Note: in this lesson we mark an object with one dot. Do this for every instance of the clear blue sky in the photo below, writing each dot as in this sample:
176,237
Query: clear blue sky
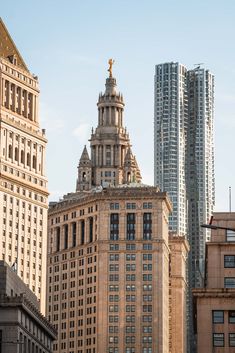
68,43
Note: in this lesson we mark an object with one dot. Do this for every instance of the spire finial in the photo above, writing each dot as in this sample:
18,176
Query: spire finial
111,62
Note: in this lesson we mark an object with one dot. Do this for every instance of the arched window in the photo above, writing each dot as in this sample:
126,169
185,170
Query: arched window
28,159
10,151
16,154
22,156
34,162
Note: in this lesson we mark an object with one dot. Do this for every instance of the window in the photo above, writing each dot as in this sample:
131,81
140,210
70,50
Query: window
114,247
130,246
231,316
114,206
218,339
130,226
74,231
147,205
130,206
90,229
113,257
66,236
114,226
147,226
230,235
130,257
82,223
229,282
218,316
58,239
229,261
231,339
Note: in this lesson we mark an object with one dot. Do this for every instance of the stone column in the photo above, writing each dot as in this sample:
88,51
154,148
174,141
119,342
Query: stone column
3,92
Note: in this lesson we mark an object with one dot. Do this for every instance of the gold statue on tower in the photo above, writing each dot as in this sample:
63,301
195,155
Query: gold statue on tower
111,62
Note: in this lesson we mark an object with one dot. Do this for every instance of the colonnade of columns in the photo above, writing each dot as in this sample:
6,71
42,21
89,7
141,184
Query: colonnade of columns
19,100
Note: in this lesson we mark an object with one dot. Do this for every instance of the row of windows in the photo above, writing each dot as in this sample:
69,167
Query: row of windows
130,226
115,247
218,316
219,339
130,205
128,350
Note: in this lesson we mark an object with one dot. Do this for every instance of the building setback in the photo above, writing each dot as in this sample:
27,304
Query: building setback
110,251
23,185
215,303
22,327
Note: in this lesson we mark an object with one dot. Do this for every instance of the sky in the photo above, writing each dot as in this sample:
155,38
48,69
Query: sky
67,44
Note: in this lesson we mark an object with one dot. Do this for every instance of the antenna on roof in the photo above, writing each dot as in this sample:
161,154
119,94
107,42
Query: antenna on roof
230,198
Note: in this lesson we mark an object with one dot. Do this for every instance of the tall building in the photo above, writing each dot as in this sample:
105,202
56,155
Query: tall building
110,253
184,152
214,303
22,327
23,184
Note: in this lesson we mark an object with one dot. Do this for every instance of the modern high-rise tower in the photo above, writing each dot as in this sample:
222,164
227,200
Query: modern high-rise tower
184,152
23,184
184,159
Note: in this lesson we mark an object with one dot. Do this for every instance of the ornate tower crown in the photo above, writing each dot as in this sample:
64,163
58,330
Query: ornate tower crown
110,143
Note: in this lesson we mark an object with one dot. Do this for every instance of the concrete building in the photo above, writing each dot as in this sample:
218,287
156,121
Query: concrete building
184,153
215,303
23,185
110,252
23,329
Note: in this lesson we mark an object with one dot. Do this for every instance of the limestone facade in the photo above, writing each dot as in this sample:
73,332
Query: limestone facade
23,184
109,251
215,303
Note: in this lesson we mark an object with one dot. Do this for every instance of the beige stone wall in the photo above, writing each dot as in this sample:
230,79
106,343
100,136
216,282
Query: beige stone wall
113,258
23,184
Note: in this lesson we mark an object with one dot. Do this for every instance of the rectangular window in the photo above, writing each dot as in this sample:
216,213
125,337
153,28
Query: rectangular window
229,261
66,236
231,339
130,246
114,206
74,232
218,339
82,232
130,226
130,206
147,226
57,238
218,316
230,235
231,316
229,282
114,247
90,229
114,226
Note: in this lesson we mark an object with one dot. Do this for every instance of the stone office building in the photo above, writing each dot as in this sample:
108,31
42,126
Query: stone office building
215,303
23,184
110,251
23,329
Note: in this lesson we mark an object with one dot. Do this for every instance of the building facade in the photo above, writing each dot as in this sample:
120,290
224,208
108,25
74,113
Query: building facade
22,327
109,252
215,303
23,184
184,153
